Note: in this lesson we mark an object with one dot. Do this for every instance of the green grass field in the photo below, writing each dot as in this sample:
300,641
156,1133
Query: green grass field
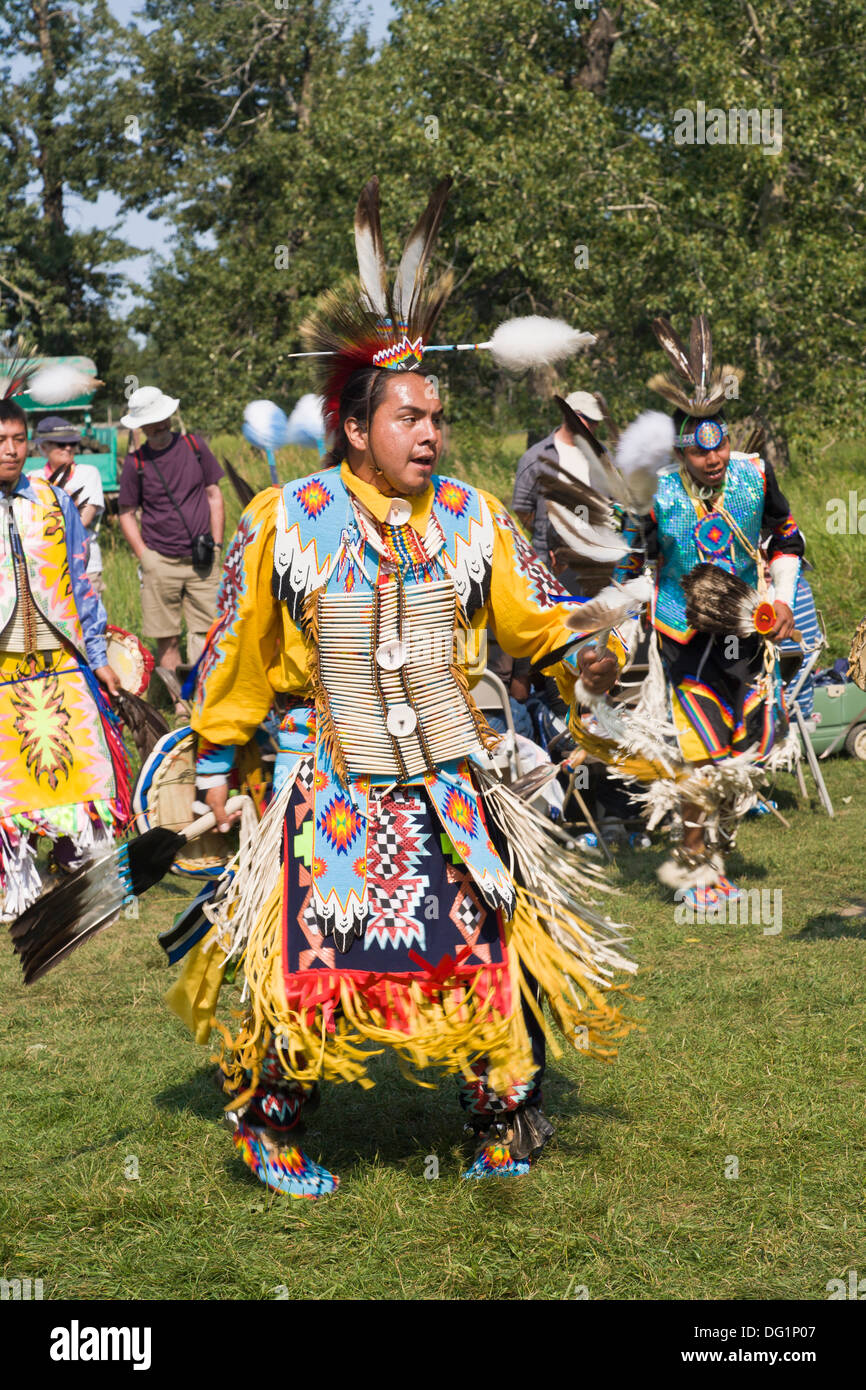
120,1182
721,1156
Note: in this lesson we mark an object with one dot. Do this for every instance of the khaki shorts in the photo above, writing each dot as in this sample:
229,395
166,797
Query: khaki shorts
171,587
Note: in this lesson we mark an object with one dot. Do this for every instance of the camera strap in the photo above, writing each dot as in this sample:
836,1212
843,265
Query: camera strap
139,464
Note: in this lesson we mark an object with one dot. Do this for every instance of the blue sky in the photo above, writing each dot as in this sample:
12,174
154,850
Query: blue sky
152,235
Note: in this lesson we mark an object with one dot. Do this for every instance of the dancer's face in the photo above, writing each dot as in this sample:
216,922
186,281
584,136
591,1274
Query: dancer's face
708,467
13,452
405,437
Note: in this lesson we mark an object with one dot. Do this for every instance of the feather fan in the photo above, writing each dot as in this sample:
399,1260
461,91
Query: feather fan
599,543
557,484
720,602
93,898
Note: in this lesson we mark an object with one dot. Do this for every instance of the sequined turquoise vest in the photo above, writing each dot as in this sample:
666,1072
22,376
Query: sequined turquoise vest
689,537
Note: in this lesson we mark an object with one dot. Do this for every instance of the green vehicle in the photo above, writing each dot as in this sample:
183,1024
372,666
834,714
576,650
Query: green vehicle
839,719
99,441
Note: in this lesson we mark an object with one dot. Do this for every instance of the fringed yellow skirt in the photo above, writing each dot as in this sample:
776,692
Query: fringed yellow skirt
437,975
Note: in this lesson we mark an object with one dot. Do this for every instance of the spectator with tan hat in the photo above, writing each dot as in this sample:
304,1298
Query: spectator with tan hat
172,480
528,502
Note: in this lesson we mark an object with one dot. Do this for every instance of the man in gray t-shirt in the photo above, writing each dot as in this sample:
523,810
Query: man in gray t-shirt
528,502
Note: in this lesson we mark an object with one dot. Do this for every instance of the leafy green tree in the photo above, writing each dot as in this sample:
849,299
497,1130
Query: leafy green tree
56,281
212,127
577,189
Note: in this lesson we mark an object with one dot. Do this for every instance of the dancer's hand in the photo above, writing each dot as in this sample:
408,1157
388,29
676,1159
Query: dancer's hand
784,623
216,798
599,669
109,678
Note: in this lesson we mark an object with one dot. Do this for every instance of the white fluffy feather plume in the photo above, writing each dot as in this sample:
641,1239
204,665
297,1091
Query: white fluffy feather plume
535,341
54,385
645,447
307,423
265,425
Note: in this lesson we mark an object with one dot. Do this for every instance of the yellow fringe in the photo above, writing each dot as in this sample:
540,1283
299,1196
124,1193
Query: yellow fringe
609,752
448,1030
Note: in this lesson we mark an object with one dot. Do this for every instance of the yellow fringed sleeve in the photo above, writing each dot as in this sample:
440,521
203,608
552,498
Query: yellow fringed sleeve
260,650
523,627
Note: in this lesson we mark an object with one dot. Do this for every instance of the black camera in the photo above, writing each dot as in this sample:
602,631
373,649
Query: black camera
203,548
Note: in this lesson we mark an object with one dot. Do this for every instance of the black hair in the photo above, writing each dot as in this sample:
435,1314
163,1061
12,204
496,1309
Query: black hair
360,398
11,410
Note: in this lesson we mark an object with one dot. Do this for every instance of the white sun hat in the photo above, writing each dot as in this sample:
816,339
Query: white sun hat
147,406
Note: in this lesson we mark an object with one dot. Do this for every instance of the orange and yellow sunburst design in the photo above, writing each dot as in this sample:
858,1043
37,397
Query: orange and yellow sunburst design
452,497
340,823
314,497
460,811
360,866
55,752
42,722
318,866
320,780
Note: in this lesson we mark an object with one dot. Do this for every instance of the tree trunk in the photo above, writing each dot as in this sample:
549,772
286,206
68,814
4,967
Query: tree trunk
46,161
597,47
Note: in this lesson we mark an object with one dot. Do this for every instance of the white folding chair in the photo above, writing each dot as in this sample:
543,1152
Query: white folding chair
491,697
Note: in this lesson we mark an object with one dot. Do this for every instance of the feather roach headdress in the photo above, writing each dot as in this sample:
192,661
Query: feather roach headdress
368,324
16,368
693,386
